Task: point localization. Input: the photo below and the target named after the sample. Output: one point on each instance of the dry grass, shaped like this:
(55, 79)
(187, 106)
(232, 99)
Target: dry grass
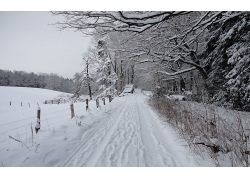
(206, 131)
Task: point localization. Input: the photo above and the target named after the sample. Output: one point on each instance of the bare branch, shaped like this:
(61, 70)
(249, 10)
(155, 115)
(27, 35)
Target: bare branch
(178, 72)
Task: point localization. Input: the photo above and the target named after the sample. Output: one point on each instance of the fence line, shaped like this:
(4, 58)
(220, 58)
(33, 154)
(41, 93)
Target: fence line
(57, 122)
(30, 130)
(18, 134)
(16, 128)
(68, 114)
(50, 125)
(41, 114)
(17, 121)
(57, 117)
(31, 123)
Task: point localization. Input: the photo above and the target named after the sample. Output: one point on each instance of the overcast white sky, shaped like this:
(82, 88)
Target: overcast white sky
(29, 44)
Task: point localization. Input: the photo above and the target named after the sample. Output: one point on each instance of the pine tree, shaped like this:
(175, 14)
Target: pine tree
(227, 61)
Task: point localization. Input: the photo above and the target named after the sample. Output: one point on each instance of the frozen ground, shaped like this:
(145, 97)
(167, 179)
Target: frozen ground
(125, 132)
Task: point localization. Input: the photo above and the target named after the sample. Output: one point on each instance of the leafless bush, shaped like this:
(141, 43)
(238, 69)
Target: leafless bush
(206, 131)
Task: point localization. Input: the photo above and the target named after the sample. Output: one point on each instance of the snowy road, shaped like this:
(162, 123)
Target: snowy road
(131, 135)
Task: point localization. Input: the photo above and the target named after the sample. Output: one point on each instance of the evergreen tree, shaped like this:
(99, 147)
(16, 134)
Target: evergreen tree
(227, 61)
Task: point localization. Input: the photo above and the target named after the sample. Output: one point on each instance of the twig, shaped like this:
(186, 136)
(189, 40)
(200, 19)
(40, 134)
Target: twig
(31, 133)
(19, 142)
(2, 163)
(18, 137)
(37, 147)
(48, 124)
(47, 154)
(26, 134)
(25, 159)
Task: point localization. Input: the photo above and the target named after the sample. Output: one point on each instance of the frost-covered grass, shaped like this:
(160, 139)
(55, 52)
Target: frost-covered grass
(210, 131)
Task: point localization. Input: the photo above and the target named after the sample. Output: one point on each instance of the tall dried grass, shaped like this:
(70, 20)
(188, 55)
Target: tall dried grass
(206, 131)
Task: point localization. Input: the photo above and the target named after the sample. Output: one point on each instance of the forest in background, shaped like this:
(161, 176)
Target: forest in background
(204, 56)
(41, 80)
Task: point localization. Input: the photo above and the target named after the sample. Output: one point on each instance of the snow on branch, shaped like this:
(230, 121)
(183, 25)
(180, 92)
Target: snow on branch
(107, 21)
(178, 72)
(146, 60)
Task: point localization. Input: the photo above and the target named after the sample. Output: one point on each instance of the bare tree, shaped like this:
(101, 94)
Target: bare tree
(85, 77)
(103, 22)
(173, 40)
(180, 44)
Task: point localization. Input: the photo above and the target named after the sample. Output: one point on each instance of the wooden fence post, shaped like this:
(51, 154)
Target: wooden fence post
(45, 102)
(103, 99)
(29, 105)
(72, 111)
(52, 102)
(38, 125)
(21, 104)
(110, 98)
(87, 104)
(10, 103)
(97, 103)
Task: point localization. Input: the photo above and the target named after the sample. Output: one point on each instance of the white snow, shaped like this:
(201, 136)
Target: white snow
(176, 97)
(148, 93)
(178, 72)
(128, 88)
(125, 132)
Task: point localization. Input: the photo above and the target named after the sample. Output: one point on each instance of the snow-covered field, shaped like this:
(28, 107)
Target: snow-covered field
(125, 132)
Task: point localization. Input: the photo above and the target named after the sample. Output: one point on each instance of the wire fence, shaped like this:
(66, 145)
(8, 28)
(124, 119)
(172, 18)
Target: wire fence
(51, 121)
(42, 114)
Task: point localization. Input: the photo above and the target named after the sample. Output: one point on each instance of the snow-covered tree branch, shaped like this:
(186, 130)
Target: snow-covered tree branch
(178, 72)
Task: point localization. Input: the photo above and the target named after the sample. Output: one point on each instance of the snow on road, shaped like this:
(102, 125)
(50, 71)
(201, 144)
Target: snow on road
(130, 136)
(125, 132)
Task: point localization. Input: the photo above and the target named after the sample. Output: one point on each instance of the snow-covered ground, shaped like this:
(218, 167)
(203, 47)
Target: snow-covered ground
(125, 132)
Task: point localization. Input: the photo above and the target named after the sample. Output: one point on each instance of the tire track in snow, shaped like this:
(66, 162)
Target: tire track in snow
(81, 154)
(123, 147)
(101, 141)
(160, 146)
(137, 138)
(151, 155)
(128, 137)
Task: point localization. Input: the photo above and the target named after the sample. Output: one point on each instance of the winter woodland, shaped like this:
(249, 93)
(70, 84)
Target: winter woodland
(202, 56)
(194, 67)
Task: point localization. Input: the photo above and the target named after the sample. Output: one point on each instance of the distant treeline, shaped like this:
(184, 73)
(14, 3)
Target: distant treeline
(41, 80)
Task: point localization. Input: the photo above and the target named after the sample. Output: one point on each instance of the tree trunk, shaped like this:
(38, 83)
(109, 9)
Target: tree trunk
(132, 74)
(121, 77)
(191, 81)
(182, 84)
(175, 89)
(128, 75)
(88, 81)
